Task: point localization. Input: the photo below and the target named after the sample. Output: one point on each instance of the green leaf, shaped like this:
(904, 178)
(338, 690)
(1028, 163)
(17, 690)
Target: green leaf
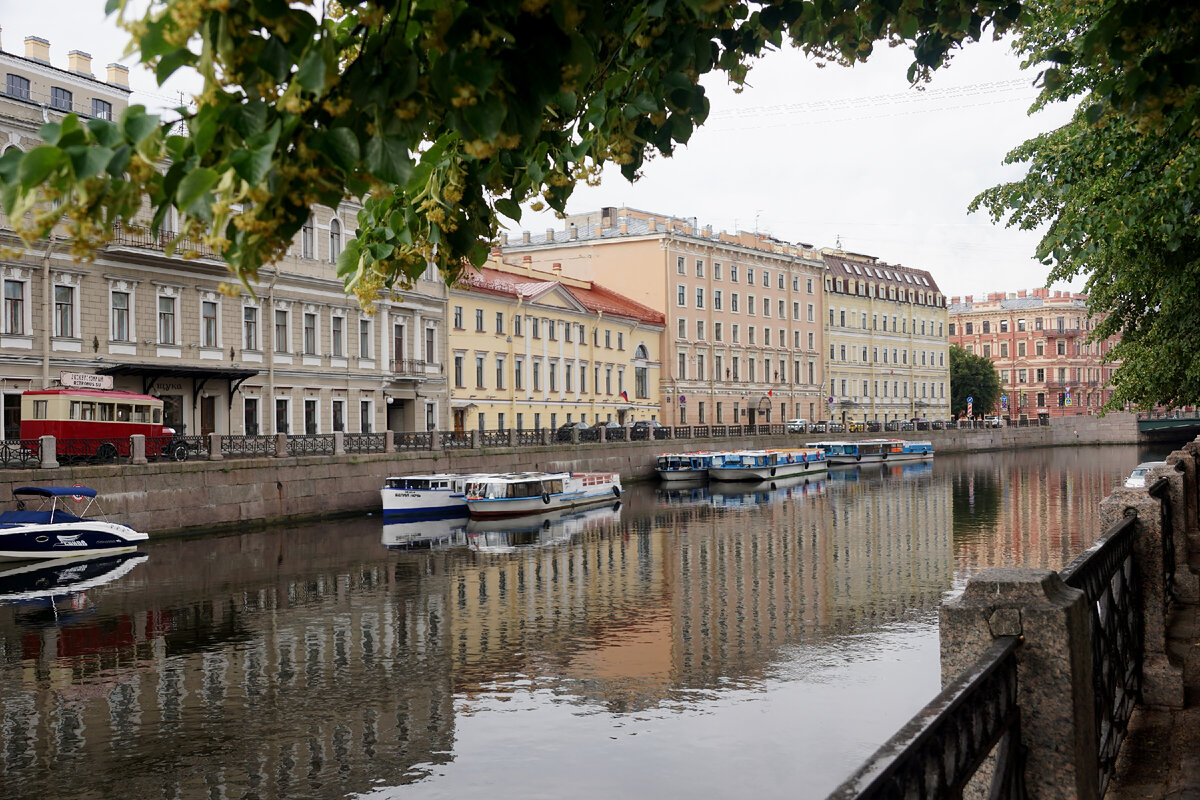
(87, 162)
(311, 74)
(37, 165)
(509, 208)
(171, 62)
(194, 186)
(136, 124)
(388, 159)
(341, 145)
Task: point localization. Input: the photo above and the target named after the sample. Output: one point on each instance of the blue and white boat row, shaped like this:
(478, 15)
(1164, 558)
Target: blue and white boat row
(874, 451)
(761, 465)
(684, 466)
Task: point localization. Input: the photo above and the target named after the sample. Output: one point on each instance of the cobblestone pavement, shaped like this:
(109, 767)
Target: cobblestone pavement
(1161, 755)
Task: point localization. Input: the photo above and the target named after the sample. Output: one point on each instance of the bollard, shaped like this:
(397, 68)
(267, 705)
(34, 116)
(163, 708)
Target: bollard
(512, 437)
(435, 440)
(389, 442)
(281, 445)
(48, 452)
(214, 447)
(476, 438)
(1187, 588)
(137, 448)
(1054, 671)
(339, 443)
(603, 434)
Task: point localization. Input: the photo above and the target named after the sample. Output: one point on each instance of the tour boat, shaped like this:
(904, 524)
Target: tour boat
(521, 493)
(55, 530)
(761, 465)
(434, 495)
(683, 466)
(913, 450)
(873, 451)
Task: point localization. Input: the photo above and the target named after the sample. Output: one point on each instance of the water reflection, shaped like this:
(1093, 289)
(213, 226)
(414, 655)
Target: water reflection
(778, 630)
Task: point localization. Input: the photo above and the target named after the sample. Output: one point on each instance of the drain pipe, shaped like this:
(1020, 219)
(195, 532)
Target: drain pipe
(47, 318)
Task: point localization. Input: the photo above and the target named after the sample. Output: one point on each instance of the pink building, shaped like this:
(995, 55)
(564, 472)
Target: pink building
(1039, 344)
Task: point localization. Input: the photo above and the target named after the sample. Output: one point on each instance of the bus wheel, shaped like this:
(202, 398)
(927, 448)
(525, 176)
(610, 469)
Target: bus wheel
(106, 453)
(179, 451)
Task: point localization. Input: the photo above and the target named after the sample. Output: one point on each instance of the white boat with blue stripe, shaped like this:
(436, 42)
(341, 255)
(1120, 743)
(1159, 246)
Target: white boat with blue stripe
(520, 493)
(763, 465)
(683, 466)
(430, 496)
(64, 525)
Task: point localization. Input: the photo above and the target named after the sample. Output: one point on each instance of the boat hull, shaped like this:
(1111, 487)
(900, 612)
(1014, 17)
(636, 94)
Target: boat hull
(67, 540)
(682, 474)
(410, 503)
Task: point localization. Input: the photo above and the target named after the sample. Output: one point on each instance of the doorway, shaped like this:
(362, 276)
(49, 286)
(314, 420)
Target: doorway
(208, 415)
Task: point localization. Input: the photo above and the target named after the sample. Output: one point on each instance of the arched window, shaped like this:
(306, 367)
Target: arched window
(306, 239)
(335, 239)
(641, 352)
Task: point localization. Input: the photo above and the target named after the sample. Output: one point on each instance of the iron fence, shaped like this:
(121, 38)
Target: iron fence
(364, 443)
(1108, 577)
(247, 446)
(20, 454)
(312, 445)
(529, 437)
(454, 440)
(496, 438)
(415, 440)
(939, 751)
(1161, 489)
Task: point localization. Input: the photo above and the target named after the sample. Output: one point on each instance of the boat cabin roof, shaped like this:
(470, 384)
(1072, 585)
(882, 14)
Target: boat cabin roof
(54, 491)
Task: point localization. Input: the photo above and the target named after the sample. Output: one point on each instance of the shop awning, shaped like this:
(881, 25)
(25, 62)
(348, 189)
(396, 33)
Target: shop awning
(152, 373)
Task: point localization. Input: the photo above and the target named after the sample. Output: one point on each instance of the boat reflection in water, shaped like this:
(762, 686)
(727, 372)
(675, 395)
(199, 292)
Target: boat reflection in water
(538, 530)
(42, 582)
(425, 534)
(796, 487)
(875, 471)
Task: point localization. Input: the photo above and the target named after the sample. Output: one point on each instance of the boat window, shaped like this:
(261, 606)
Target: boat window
(555, 486)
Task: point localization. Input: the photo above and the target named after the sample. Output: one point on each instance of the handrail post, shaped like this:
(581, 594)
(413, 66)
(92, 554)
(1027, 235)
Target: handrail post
(389, 442)
(339, 443)
(1181, 473)
(1162, 681)
(137, 448)
(48, 452)
(1059, 729)
(281, 445)
(214, 447)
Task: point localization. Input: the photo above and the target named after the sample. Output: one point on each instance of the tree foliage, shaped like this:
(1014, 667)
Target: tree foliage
(1116, 188)
(440, 116)
(975, 377)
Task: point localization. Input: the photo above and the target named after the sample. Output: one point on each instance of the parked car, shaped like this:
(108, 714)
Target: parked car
(644, 429)
(796, 425)
(564, 432)
(993, 422)
(855, 426)
(818, 427)
(837, 427)
(1137, 478)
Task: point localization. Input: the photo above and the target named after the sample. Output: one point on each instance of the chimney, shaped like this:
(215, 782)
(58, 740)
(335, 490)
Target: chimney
(118, 75)
(597, 230)
(1, 44)
(79, 62)
(708, 231)
(527, 261)
(574, 231)
(556, 268)
(496, 253)
(653, 225)
(549, 235)
(954, 299)
(37, 49)
(623, 226)
(524, 237)
(503, 239)
(1021, 293)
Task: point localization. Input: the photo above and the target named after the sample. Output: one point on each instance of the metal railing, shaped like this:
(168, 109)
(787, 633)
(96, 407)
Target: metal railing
(314, 444)
(364, 443)
(939, 751)
(247, 446)
(1107, 575)
(496, 438)
(455, 440)
(415, 440)
(19, 454)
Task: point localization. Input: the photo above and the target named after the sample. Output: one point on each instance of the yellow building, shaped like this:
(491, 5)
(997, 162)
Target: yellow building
(886, 336)
(535, 349)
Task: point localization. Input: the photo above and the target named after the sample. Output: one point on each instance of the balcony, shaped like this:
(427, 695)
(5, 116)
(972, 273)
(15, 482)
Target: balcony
(148, 240)
(415, 368)
(1063, 332)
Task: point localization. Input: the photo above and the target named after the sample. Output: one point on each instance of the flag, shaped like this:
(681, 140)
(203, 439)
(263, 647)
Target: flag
(770, 392)
(625, 396)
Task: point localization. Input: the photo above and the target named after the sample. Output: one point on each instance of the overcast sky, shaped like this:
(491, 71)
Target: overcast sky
(807, 154)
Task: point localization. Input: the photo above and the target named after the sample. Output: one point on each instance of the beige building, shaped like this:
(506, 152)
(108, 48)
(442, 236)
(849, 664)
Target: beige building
(743, 336)
(300, 357)
(535, 349)
(888, 356)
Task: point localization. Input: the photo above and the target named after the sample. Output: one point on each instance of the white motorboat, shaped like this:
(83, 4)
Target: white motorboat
(683, 466)
(520, 493)
(434, 495)
(762, 465)
(56, 529)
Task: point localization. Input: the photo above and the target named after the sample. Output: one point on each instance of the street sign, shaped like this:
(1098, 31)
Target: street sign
(84, 380)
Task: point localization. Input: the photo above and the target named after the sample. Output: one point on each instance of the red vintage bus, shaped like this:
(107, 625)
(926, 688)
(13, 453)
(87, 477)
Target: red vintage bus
(96, 423)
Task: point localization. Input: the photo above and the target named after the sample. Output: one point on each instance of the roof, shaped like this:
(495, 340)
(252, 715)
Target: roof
(842, 265)
(593, 297)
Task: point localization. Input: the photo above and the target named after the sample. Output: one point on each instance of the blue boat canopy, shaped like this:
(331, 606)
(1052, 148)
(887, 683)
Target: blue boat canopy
(55, 491)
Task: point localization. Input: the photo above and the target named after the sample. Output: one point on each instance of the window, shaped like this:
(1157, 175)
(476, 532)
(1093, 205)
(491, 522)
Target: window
(680, 295)
(14, 306)
(64, 311)
(641, 382)
(519, 372)
(749, 277)
(700, 330)
(970, 328)
(620, 340)
(717, 332)
(364, 338)
(716, 270)
(458, 318)
(1021, 349)
(537, 375)
(536, 325)
(249, 328)
(608, 339)
(553, 374)
(733, 273)
(699, 268)
(281, 330)
(681, 265)
(1004, 326)
(987, 326)
(552, 330)
(1020, 325)
(250, 416)
(306, 239)
(479, 320)
(733, 302)
(458, 370)
(60, 98)
(479, 384)
(499, 322)
(208, 322)
(699, 298)
(120, 316)
(18, 87)
(335, 240)
(337, 334)
(101, 109)
(166, 320)
(430, 351)
(339, 415)
(364, 415)
(681, 323)
(517, 325)
(310, 334)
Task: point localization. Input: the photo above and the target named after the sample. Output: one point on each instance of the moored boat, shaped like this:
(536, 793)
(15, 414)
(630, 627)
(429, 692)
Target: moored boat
(914, 450)
(683, 466)
(873, 451)
(435, 495)
(56, 530)
(761, 465)
(520, 493)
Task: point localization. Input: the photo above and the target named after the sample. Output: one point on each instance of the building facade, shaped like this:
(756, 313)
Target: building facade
(297, 356)
(743, 337)
(885, 331)
(1038, 342)
(535, 349)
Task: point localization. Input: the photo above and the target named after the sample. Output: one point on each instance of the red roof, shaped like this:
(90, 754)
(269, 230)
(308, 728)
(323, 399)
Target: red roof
(594, 298)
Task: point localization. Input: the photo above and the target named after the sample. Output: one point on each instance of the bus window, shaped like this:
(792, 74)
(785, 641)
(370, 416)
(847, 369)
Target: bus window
(106, 412)
(87, 411)
(141, 413)
(157, 416)
(74, 410)
(124, 412)
(39, 409)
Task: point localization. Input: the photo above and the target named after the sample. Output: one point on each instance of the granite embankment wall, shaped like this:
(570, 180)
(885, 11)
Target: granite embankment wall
(194, 496)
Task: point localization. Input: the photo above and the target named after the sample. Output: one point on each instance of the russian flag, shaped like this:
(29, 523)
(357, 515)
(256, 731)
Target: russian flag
(625, 396)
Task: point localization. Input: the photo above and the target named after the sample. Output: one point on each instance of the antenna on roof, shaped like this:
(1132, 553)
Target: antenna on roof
(838, 242)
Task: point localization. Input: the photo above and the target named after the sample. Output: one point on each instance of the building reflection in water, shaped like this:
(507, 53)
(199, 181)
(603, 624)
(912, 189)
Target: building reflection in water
(331, 659)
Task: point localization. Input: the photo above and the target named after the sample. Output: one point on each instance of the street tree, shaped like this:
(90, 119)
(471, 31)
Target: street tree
(974, 377)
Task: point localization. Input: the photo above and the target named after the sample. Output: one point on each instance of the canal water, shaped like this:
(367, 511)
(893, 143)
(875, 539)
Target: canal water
(715, 641)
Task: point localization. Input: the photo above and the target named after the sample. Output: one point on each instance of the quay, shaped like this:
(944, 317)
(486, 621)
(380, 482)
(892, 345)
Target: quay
(1079, 684)
(230, 481)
